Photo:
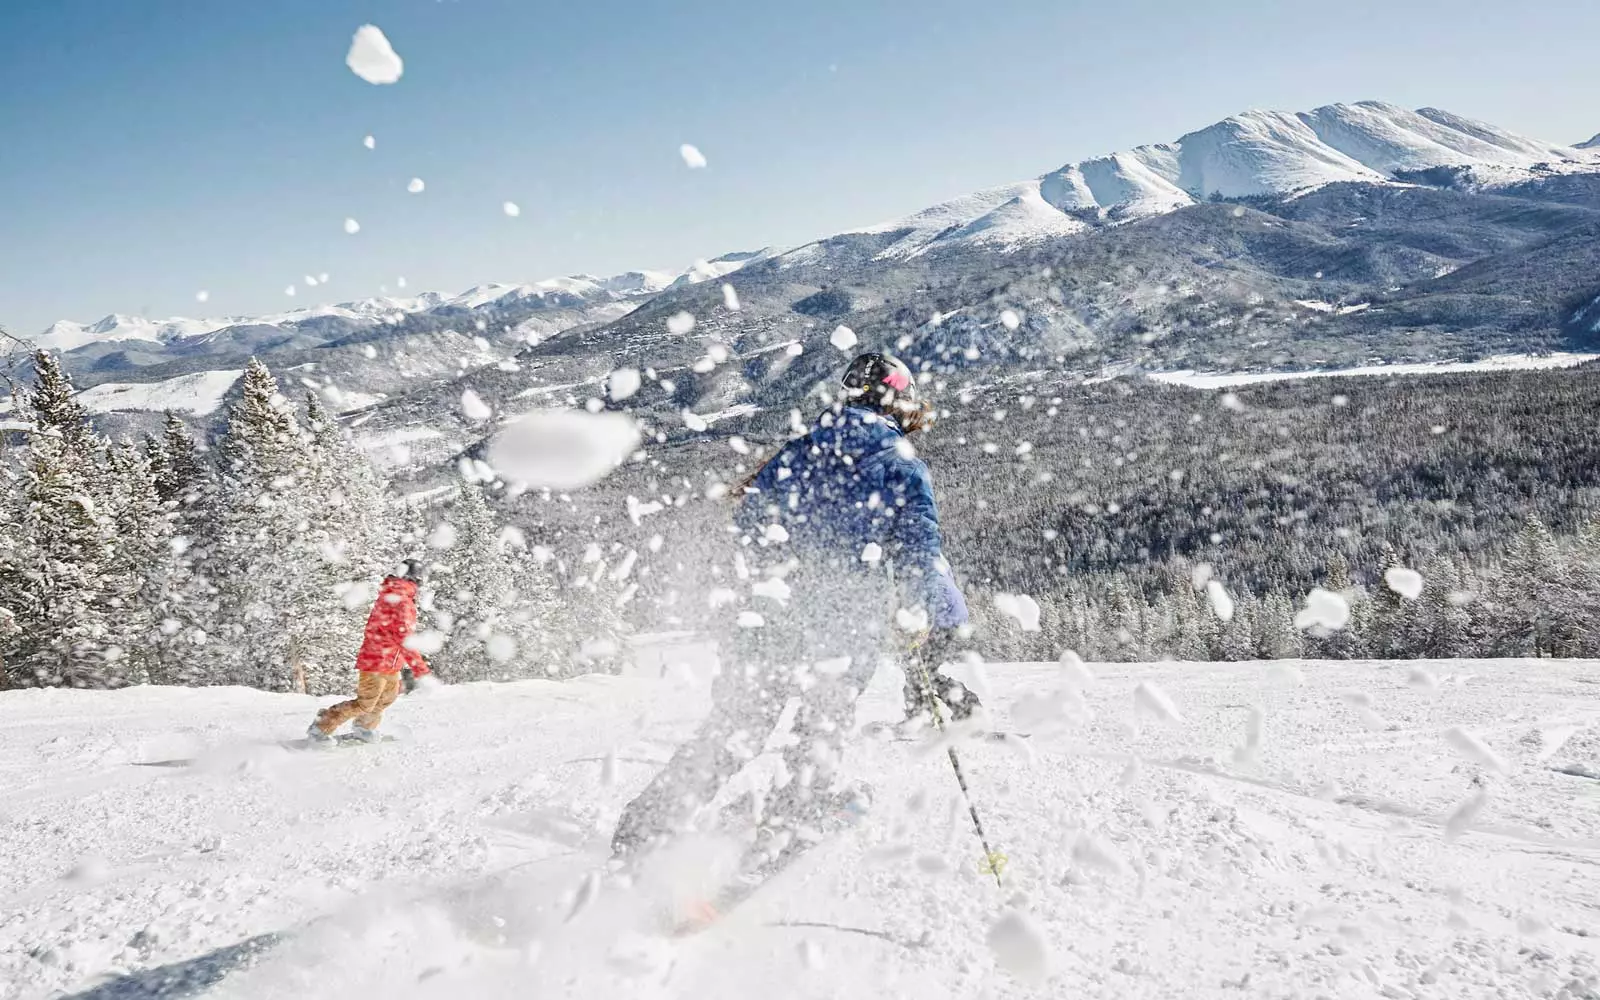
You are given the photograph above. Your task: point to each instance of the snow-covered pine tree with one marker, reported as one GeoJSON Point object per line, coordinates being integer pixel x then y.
{"type": "Point", "coordinates": [594, 600]}
{"type": "Point", "coordinates": [1189, 613]}
{"type": "Point", "coordinates": [286, 625]}
{"type": "Point", "coordinates": [1527, 594]}
{"type": "Point", "coordinates": [1393, 616]}
{"type": "Point", "coordinates": [474, 590]}
{"type": "Point", "coordinates": [13, 560]}
{"type": "Point", "coordinates": [1441, 624]}
{"type": "Point", "coordinates": [1239, 633]}
{"type": "Point", "coordinates": [186, 652]}
{"type": "Point", "coordinates": [538, 621]}
{"type": "Point", "coordinates": [357, 514]}
{"type": "Point", "coordinates": [143, 562]}
{"type": "Point", "coordinates": [65, 587]}
{"type": "Point", "coordinates": [1351, 641]}
{"type": "Point", "coordinates": [1276, 636]}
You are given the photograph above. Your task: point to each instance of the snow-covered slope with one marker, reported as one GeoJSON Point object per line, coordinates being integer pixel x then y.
{"type": "Point", "coordinates": [198, 393]}
{"type": "Point", "coordinates": [161, 842]}
{"type": "Point", "coordinates": [1254, 153]}
{"type": "Point", "coordinates": [1591, 144]}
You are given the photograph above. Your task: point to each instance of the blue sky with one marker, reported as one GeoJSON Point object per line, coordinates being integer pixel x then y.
{"type": "Point", "coordinates": [153, 148]}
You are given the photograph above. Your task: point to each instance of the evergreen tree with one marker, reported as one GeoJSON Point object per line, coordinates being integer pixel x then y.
{"type": "Point", "coordinates": [186, 651]}
{"type": "Point", "coordinates": [1276, 637]}
{"type": "Point", "coordinates": [286, 624]}
{"type": "Point", "coordinates": [593, 602]}
{"type": "Point", "coordinates": [1239, 634]}
{"type": "Point", "coordinates": [1393, 615]}
{"type": "Point", "coordinates": [66, 588]}
{"type": "Point", "coordinates": [355, 513]}
{"type": "Point", "coordinates": [1527, 593]}
{"type": "Point", "coordinates": [143, 561]}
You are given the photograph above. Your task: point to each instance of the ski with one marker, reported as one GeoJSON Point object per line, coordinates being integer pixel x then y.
{"type": "Point", "coordinates": [705, 913]}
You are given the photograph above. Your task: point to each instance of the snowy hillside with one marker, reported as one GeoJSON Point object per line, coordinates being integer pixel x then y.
{"type": "Point", "coordinates": [1254, 153]}
{"type": "Point", "coordinates": [1591, 144]}
{"type": "Point", "coordinates": [1379, 830]}
{"type": "Point", "coordinates": [199, 394]}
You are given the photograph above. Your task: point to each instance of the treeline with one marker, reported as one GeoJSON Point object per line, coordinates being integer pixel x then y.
{"type": "Point", "coordinates": [1099, 501]}
{"type": "Point", "coordinates": [1539, 598]}
{"type": "Point", "coordinates": [254, 559]}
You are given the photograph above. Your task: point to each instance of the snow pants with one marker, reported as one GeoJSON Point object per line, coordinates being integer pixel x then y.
{"type": "Point", "coordinates": [823, 650]}
{"type": "Point", "coordinates": [374, 693]}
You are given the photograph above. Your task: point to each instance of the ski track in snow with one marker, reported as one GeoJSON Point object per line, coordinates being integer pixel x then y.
{"type": "Point", "coordinates": [441, 866]}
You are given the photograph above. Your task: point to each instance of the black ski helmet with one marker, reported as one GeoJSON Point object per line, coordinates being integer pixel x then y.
{"type": "Point", "coordinates": [880, 380]}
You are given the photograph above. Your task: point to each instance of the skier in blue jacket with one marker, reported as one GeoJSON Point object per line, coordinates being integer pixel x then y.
{"type": "Point", "coordinates": [840, 556]}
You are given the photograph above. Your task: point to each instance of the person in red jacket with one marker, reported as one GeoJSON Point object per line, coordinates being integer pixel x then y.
{"type": "Point", "coordinates": [383, 654]}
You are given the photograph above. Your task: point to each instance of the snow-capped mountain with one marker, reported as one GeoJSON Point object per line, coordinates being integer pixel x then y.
{"type": "Point", "coordinates": [527, 311]}
{"type": "Point", "coordinates": [1592, 143]}
{"type": "Point", "coordinates": [1249, 154]}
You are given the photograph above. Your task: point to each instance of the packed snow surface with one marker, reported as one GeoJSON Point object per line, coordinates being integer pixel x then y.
{"type": "Point", "coordinates": [160, 839]}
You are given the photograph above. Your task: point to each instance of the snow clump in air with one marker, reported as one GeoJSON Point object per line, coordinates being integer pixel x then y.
{"type": "Point", "coordinates": [511, 208]}
{"type": "Point", "coordinates": [680, 323]}
{"type": "Point", "coordinates": [1221, 603]}
{"type": "Point", "coordinates": [1149, 698]}
{"type": "Point", "coordinates": [1020, 948]}
{"type": "Point", "coordinates": [474, 408]}
{"type": "Point", "coordinates": [352, 227]}
{"type": "Point", "coordinates": [562, 449]}
{"type": "Point", "coordinates": [623, 383]}
{"type": "Point", "coordinates": [372, 58]}
{"type": "Point", "coordinates": [416, 186]}
{"type": "Point", "coordinates": [1021, 607]}
{"type": "Point", "coordinates": [692, 156]}
{"type": "Point", "coordinates": [370, 142]}
{"type": "Point", "coordinates": [1324, 609]}
{"type": "Point", "coordinates": [1405, 582]}
{"type": "Point", "coordinates": [843, 338]}
{"type": "Point", "coordinates": [1473, 748]}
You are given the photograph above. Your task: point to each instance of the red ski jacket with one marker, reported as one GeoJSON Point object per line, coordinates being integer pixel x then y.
{"type": "Point", "coordinates": [393, 618]}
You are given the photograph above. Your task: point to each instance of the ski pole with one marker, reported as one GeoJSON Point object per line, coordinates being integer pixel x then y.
{"type": "Point", "coordinates": [993, 861]}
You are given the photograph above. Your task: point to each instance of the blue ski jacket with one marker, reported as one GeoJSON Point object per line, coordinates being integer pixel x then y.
{"type": "Point", "coordinates": [851, 492]}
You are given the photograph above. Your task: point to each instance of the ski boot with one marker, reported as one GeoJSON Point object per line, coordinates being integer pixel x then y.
{"type": "Point", "coordinates": [316, 737]}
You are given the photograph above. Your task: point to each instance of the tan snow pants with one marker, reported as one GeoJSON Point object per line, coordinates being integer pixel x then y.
{"type": "Point", "coordinates": [374, 693]}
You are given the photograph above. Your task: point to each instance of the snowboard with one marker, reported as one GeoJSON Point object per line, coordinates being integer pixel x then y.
{"type": "Point", "coordinates": [304, 743]}
{"type": "Point", "coordinates": [342, 740]}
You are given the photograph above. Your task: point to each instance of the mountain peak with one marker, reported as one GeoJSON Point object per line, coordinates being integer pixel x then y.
{"type": "Point", "coordinates": [1592, 143]}
{"type": "Point", "coordinates": [1255, 152]}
